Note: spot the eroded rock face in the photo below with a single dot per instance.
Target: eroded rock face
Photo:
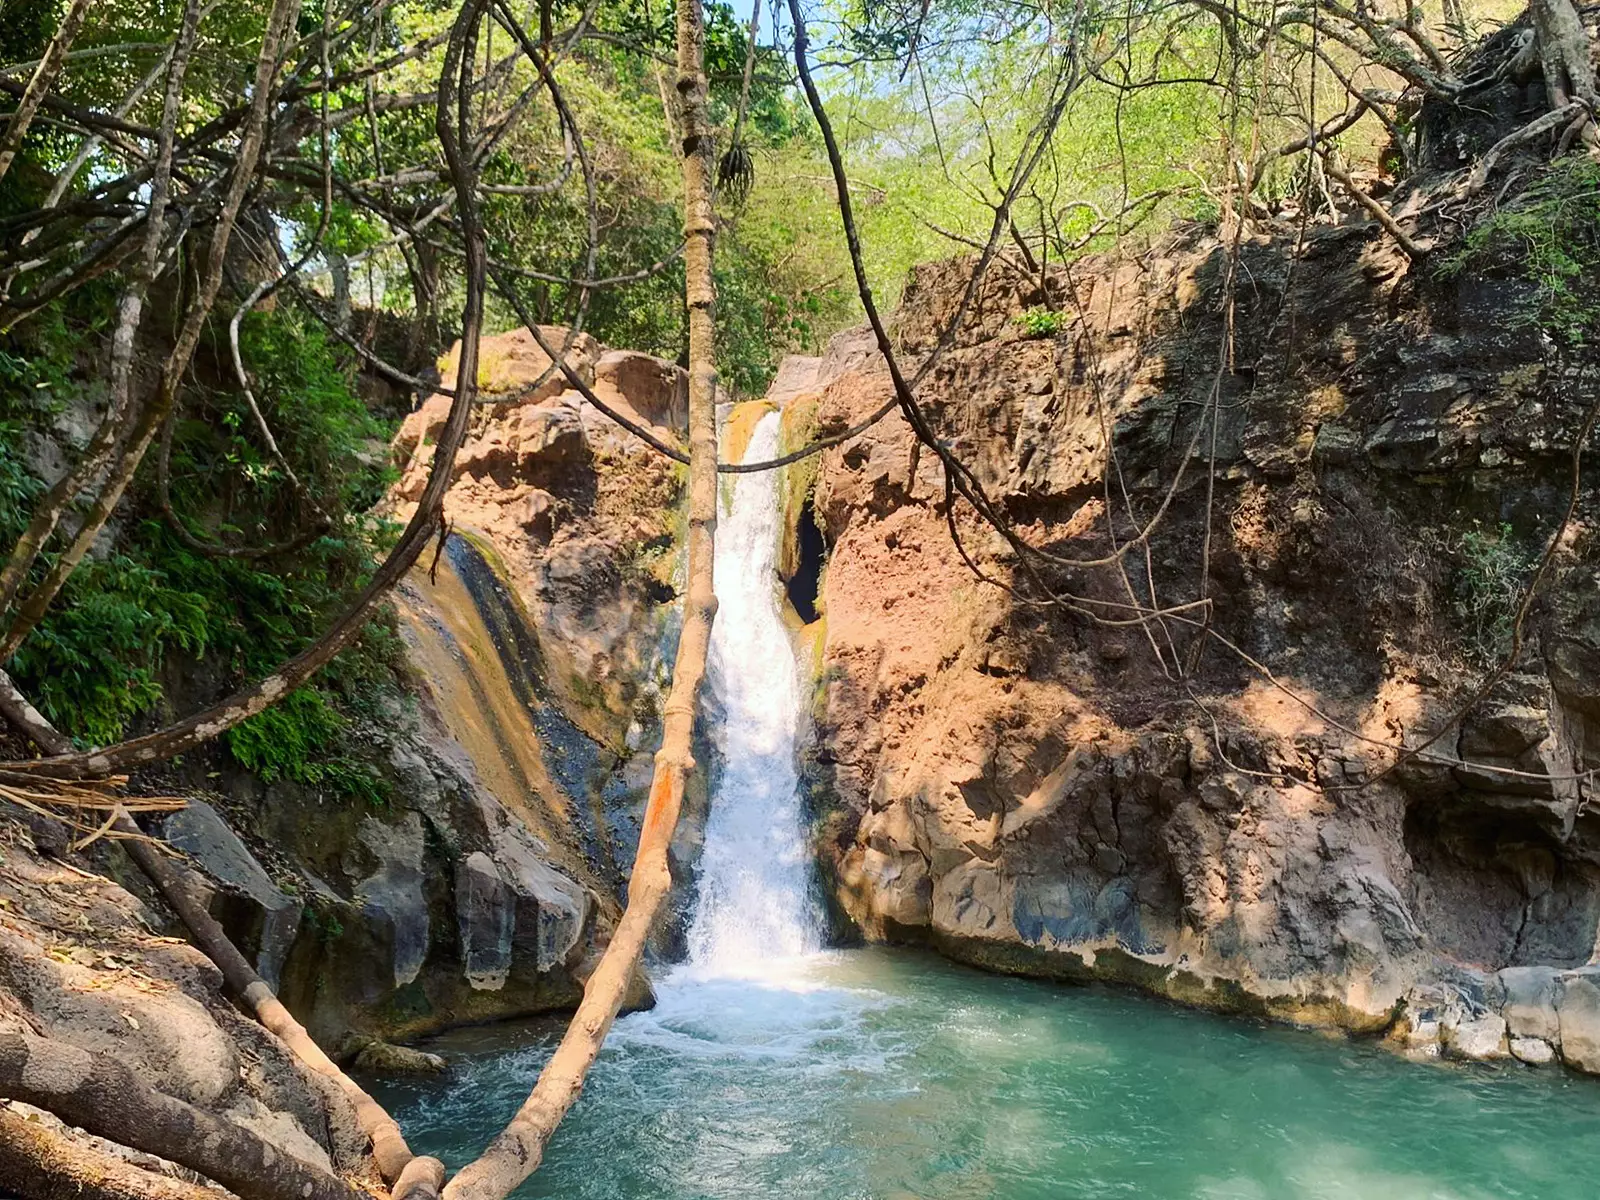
(391, 898)
(112, 987)
(248, 899)
(517, 773)
(1028, 788)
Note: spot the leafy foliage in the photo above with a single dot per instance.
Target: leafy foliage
(299, 739)
(1041, 322)
(1486, 587)
(103, 658)
(1551, 236)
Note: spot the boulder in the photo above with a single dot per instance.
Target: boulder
(1505, 730)
(551, 911)
(384, 1058)
(1534, 1051)
(1480, 1038)
(1530, 1002)
(1418, 1030)
(653, 388)
(512, 367)
(538, 442)
(253, 909)
(797, 375)
(538, 515)
(895, 883)
(486, 915)
(1578, 1007)
(968, 901)
(421, 429)
(549, 438)
(1573, 654)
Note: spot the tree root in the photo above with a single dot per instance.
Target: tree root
(1568, 114)
(1565, 62)
(1377, 211)
(102, 1095)
(40, 1163)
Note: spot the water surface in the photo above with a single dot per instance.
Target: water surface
(890, 1075)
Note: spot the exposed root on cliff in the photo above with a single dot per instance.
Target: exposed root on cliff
(41, 1163)
(100, 1093)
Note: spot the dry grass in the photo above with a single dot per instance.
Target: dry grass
(91, 809)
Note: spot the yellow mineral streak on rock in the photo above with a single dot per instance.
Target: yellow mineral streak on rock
(740, 425)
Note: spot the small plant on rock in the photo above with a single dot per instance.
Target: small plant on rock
(1487, 587)
(1041, 322)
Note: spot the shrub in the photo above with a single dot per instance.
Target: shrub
(1486, 588)
(1550, 235)
(1041, 322)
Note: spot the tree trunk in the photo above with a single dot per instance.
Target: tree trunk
(27, 719)
(1565, 62)
(425, 323)
(38, 1163)
(44, 76)
(516, 1152)
(102, 1095)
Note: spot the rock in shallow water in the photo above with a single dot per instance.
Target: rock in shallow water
(1482, 1039)
(1534, 1051)
(387, 1059)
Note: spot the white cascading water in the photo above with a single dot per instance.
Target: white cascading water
(756, 903)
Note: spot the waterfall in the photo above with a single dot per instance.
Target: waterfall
(756, 903)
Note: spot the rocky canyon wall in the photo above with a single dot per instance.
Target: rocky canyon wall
(1369, 469)
(517, 762)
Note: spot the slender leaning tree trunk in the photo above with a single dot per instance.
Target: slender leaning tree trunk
(30, 611)
(516, 1152)
(389, 1147)
(44, 75)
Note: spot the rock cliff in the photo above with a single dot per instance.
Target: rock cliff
(517, 762)
(1369, 454)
